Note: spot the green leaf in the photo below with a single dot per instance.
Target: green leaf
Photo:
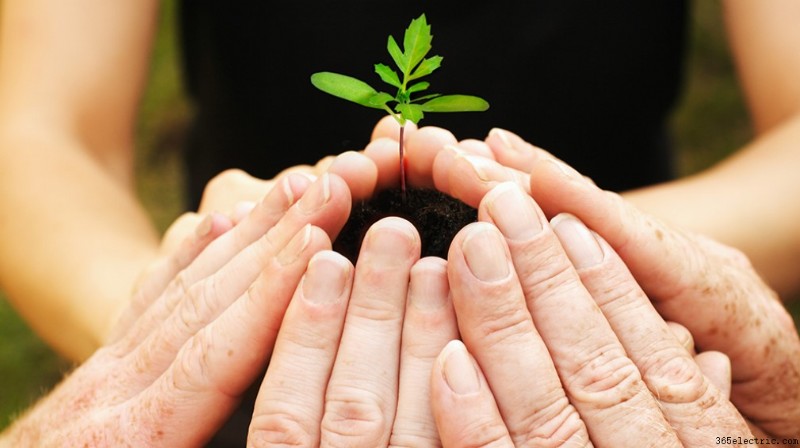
(346, 87)
(455, 103)
(416, 42)
(426, 67)
(388, 75)
(379, 100)
(418, 87)
(397, 54)
(426, 97)
(411, 112)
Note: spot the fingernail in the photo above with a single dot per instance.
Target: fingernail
(428, 288)
(578, 241)
(287, 190)
(484, 251)
(388, 242)
(565, 169)
(295, 247)
(459, 370)
(205, 226)
(317, 196)
(479, 165)
(503, 136)
(242, 209)
(512, 210)
(326, 277)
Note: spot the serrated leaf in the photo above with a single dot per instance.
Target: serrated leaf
(455, 103)
(411, 112)
(416, 42)
(426, 67)
(397, 54)
(418, 87)
(345, 87)
(388, 75)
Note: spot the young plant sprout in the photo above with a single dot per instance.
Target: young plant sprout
(412, 65)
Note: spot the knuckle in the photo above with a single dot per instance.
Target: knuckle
(557, 424)
(195, 310)
(480, 433)
(191, 366)
(675, 379)
(269, 430)
(504, 329)
(605, 380)
(354, 422)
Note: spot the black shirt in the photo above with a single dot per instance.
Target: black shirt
(591, 81)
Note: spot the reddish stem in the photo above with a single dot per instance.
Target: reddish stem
(402, 165)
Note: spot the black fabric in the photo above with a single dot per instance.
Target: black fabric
(591, 81)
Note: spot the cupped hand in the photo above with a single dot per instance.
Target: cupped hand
(567, 348)
(356, 373)
(199, 329)
(709, 288)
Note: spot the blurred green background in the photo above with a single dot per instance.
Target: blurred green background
(710, 122)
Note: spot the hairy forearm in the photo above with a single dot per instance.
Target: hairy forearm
(748, 201)
(72, 240)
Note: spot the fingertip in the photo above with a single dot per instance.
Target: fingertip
(422, 148)
(358, 171)
(384, 153)
(716, 366)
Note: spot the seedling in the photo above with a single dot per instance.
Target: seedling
(403, 106)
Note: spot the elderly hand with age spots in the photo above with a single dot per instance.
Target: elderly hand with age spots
(562, 347)
(199, 329)
(710, 289)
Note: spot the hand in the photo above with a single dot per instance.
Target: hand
(710, 289)
(357, 373)
(199, 330)
(568, 349)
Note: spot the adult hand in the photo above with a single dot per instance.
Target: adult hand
(710, 289)
(357, 373)
(198, 332)
(568, 349)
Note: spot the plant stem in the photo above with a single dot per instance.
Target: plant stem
(402, 165)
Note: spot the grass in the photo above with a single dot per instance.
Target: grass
(710, 122)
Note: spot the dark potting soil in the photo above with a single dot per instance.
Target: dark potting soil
(437, 217)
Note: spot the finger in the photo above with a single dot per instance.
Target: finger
(497, 328)
(429, 324)
(476, 147)
(229, 187)
(717, 368)
(358, 171)
(216, 365)
(462, 403)
(208, 299)
(388, 127)
(691, 404)
(683, 336)
(361, 398)
(384, 153)
(157, 276)
(232, 262)
(469, 178)
(514, 152)
(422, 148)
(710, 289)
(601, 381)
(290, 402)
